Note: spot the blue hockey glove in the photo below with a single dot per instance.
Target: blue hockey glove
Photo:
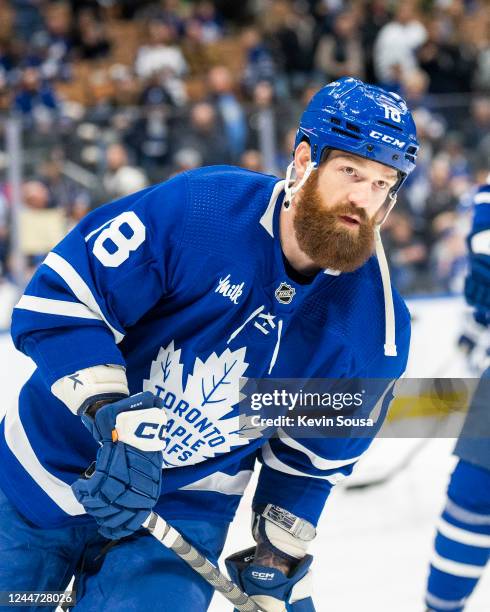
(126, 480)
(474, 341)
(270, 588)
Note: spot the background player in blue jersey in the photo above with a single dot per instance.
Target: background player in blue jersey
(142, 322)
(462, 544)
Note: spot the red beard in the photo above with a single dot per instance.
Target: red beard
(323, 236)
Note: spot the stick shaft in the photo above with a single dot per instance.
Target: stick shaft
(172, 539)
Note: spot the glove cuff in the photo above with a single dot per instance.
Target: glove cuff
(286, 534)
(84, 387)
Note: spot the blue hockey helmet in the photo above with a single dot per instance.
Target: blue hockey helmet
(361, 119)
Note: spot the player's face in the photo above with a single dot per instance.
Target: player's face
(337, 209)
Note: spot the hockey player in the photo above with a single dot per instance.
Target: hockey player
(141, 323)
(462, 543)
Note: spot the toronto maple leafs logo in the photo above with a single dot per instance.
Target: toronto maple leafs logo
(202, 421)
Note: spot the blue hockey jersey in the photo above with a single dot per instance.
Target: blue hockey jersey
(181, 284)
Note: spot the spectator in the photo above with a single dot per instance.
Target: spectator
(259, 63)
(477, 131)
(340, 53)
(268, 121)
(396, 45)
(198, 55)
(64, 193)
(229, 108)
(28, 19)
(35, 195)
(211, 24)
(121, 178)
(55, 42)
(205, 135)
(414, 86)
(449, 255)
(91, 41)
(161, 55)
(408, 254)
(289, 35)
(161, 59)
(125, 87)
(40, 228)
(36, 100)
(374, 15)
(449, 64)
(149, 136)
(478, 34)
(441, 198)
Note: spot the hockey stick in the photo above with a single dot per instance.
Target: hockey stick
(172, 539)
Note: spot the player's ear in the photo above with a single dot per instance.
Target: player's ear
(301, 158)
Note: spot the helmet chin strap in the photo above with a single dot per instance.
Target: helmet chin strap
(290, 180)
(392, 197)
(390, 344)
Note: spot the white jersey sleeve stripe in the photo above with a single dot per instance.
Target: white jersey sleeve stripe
(466, 516)
(444, 604)
(220, 482)
(482, 198)
(276, 464)
(80, 288)
(56, 307)
(463, 570)
(19, 444)
(319, 462)
(462, 535)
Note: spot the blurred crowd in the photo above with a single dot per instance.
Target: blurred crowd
(113, 96)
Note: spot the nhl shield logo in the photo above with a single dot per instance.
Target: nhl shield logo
(285, 293)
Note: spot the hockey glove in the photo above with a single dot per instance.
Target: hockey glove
(477, 283)
(286, 537)
(473, 342)
(126, 481)
(272, 590)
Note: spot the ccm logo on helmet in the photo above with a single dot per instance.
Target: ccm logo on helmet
(263, 575)
(388, 139)
(150, 431)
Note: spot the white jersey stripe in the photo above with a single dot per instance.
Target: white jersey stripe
(482, 198)
(463, 570)
(462, 535)
(276, 464)
(444, 604)
(267, 219)
(56, 307)
(19, 444)
(219, 482)
(319, 462)
(466, 516)
(79, 287)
